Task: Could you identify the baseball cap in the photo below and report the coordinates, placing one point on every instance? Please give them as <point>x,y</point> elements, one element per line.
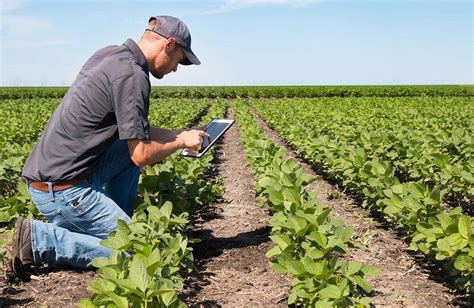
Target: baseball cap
<point>169,26</point>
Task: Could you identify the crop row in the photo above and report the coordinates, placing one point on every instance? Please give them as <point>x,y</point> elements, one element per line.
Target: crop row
<point>309,241</point>
<point>261,91</point>
<point>151,254</point>
<point>426,140</point>
<point>411,205</point>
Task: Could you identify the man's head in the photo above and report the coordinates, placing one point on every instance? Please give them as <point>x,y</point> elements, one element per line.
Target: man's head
<point>166,43</point>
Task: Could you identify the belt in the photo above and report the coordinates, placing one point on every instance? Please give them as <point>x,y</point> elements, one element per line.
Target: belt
<point>57,186</point>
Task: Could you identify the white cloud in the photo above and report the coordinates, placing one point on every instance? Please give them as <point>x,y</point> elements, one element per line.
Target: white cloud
<point>36,44</point>
<point>242,4</point>
<point>234,5</point>
<point>10,5</point>
<point>17,25</point>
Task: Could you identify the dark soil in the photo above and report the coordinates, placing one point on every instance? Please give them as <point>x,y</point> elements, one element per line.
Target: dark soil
<point>232,269</point>
<point>403,281</point>
<point>55,289</point>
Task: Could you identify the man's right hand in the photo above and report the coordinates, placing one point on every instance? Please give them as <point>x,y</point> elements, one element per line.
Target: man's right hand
<point>192,140</point>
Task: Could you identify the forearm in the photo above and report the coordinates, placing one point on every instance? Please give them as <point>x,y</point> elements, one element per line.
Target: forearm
<point>163,135</point>
<point>151,152</point>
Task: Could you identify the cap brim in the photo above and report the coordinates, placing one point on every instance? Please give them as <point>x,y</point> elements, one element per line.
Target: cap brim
<point>190,58</point>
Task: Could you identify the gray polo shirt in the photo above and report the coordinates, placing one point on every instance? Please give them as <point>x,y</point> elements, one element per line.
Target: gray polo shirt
<point>108,100</point>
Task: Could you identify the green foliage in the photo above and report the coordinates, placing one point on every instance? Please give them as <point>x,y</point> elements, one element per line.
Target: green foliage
<point>262,91</point>
<point>402,157</point>
<point>144,267</point>
<point>150,254</point>
<point>308,240</point>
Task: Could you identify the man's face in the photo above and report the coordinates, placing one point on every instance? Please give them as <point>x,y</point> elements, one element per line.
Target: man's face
<point>167,60</point>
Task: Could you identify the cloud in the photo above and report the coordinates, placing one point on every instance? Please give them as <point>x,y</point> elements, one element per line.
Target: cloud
<point>17,25</point>
<point>242,4</point>
<point>234,5</point>
<point>10,5</point>
<point>36,44</point>
<point>26,31</point>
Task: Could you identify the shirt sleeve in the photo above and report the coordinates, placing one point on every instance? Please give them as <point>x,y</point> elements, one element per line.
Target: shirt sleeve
<point>131,100</point>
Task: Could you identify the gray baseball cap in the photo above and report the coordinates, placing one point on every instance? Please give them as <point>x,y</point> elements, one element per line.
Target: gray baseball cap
<point>169,26</point>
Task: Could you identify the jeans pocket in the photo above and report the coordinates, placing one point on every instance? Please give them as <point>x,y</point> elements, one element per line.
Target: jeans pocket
<point>40,197</point>
<point>79,199</point>
<point>49,210</point>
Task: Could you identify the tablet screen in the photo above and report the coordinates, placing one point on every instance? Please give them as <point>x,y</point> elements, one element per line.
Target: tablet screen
<point>215,129</point>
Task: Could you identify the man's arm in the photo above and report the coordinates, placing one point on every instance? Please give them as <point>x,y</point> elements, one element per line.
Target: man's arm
<point>149,152</point>
<point>163,135</point>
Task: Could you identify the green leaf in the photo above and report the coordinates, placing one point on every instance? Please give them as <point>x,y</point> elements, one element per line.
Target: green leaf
<point>364,284</point>
<point>463,263</point>
<point>464,226</point>
<point>298,223</point>
<point>101,286</point>
<point>166,209</point>
<point>118,241</point>
<point>370,270</point>
<point>354,267</point>
<point>100,262</point>
<point>119,301</point>
<point>86,303</point>
<point>330,292</point>
<point>275,251</point>
<point>295,267</point>
<point>282,240</point>
<point>319,238</point>
<point>169,298</point>
<point>138,273</point>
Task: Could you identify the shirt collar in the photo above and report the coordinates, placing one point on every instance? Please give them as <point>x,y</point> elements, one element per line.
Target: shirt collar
<point>137,53</point>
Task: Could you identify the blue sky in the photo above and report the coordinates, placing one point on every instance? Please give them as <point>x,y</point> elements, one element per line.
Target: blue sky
<point>250,42</point>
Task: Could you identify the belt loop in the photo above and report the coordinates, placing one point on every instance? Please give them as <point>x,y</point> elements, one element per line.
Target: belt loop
<point>50,190</point>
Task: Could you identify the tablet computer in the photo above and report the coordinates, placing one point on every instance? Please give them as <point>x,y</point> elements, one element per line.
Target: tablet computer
<point>215,129</point>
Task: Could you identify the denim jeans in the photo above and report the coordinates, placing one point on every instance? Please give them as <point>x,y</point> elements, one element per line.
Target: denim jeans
<point>81,216</point>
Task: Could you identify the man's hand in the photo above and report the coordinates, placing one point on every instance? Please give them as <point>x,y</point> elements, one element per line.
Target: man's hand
<point>192,140</point>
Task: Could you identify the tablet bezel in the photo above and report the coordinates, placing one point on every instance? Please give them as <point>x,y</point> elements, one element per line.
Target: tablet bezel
<point>229,123</point>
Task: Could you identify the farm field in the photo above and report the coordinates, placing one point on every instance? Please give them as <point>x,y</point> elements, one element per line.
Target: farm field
<point>317,196</point>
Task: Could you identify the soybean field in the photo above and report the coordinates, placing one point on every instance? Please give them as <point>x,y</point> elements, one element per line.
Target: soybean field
<point>331,196</point>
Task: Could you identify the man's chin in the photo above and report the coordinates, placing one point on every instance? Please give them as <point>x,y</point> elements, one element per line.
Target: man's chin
<point>158,76</point>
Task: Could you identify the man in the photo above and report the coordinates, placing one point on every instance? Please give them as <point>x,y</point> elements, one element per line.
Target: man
<point>84,171</point>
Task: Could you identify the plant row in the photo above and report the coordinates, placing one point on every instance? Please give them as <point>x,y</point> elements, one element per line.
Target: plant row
<point>427,140</point>
<point>413,206</point>
<point>261,91</point>
<point>309,241</point>
<point>151,255</point>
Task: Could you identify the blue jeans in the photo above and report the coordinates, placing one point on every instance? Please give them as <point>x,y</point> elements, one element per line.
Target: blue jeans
<point>81,216</point>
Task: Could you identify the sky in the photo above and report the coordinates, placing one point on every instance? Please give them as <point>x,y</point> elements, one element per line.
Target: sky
<point>250,42</point>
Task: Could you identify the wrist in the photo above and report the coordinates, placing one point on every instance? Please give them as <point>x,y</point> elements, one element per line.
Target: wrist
<point>179,144</point>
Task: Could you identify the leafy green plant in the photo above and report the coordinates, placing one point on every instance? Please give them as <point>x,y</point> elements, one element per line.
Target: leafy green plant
<point>376,158</point>
<point>309,242</point>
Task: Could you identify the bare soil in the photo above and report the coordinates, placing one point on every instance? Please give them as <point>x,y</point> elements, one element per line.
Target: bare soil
<point>232,269</point>
<point>403,281</point>
<point>55,289</point>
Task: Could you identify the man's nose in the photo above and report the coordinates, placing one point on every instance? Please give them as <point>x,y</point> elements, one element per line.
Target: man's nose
<point>175,68</point>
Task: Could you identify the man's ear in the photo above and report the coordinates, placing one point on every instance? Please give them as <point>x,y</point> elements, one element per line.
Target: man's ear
<point>171,42</point>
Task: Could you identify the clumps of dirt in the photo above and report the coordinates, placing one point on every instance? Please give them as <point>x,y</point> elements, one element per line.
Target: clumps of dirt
<point>402,281</point>
<point>232,269</point>
<point>55,289</point>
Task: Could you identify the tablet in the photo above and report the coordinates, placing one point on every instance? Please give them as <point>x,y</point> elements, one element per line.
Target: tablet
<point>215,129</point>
